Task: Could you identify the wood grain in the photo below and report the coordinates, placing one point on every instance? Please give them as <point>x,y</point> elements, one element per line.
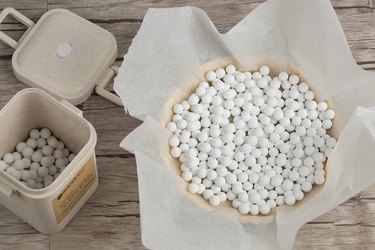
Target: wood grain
<point>110,219</point>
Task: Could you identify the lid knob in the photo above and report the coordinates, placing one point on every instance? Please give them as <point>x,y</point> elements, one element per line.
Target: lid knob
<point>63,50</point>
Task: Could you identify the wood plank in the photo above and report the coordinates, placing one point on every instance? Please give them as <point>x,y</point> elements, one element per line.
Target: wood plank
<point>17,234</point>
<point>110,220</point>
<point>216,7</point>
<point>33,9</point>
<point>328,236</point>
<point>351,3</point>
<point>118,177</point>
<point>360,35</point>
<point>9,84</point>
<point>111,124</point>
<point>6,52</point>
<point>24,5</point>
<point>331,230</point>
<point>30,8</point>
<point>99,232</point>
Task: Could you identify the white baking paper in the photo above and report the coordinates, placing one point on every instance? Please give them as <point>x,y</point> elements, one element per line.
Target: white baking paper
<point>166,61</point>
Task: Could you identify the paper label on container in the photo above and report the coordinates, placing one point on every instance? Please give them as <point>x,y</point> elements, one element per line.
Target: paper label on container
<point>74,191</point>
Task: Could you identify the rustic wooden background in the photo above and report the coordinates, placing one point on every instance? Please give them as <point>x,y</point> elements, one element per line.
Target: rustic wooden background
<point>110,219</point>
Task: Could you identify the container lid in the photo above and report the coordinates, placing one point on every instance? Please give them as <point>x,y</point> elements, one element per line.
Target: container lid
<point>63,54</point>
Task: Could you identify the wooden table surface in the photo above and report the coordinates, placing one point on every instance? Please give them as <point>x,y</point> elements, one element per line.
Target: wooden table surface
<point>110,219</point>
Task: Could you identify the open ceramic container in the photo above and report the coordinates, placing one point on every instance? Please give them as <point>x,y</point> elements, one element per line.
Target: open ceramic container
<point>49,209</point>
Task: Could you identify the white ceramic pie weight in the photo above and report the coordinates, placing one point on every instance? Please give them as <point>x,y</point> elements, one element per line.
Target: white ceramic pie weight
<point>63,57</point>
<point>166,61</point>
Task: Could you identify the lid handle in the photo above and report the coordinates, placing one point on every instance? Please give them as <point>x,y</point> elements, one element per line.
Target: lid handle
<point>100,88</point>
<point>19,17</point>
